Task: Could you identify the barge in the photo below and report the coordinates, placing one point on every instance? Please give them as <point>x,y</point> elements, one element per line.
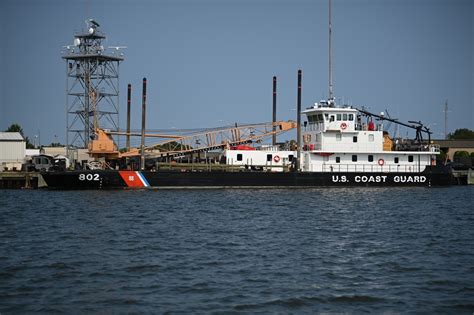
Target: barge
<point>340,146</point>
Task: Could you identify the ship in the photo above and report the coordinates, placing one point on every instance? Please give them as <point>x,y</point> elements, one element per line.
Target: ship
<point>336,145</point>
<point>340,146</point>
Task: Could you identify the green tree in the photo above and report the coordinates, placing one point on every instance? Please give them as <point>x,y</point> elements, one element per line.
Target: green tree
<point>461,134</point>
<point>17,128</point>
<point>462,157</point>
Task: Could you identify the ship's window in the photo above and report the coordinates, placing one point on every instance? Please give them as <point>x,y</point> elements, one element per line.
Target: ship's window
<point>338,159</point>
<point>44,161</point>
<point>344,117</point>
<point>338,117</point>
<point>410,158</point>
<point>239,157</point>
<point>351,117</point>
<point>332,118</point>
<point>338,137</point>
<point>354,158</point>
<point>354,139</point>
<point>327,116</point>
<point>371,138</point>
<point>269,157</point>
<point>290,157</point>
<point>395,160</point>
<point>371,158</point>
<point>310,119</point>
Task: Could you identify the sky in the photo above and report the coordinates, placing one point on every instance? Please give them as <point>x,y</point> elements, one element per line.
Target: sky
<point>210,63</point>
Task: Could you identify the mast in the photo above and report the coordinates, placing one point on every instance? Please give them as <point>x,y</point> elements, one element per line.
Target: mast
<point>331,96</point>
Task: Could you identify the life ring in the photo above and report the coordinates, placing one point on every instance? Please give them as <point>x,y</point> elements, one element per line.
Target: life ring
<point>381,162</point>
<point>276,158</point>
<point>343,126</point>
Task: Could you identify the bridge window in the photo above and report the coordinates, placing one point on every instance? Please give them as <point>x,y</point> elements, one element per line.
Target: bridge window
<point>339,117</point>
<point>410,158</point>
<point>371,158</point>
<point>351,117</point>
<point>354,158</point>
<point>269,157</point>
<point>338,159</point>
<point>332,118</point>
<point>395,160</point>
<point>239,157</point>
<point>344,117</point>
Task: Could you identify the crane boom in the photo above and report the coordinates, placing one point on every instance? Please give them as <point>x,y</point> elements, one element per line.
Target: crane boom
<point>219,138</point>
<point>205,140</point>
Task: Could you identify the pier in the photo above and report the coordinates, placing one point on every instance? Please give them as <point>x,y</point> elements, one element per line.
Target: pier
<point>21,180</point>
<point>463,177</point>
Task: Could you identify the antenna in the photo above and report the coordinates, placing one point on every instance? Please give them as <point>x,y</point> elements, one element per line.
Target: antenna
<point>331,97</point>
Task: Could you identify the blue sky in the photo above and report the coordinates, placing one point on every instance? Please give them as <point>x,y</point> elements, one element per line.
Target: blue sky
<point>210,63</point>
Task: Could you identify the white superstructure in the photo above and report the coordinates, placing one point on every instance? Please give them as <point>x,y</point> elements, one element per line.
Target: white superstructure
<point>340,139</point>
<point>264,158</point>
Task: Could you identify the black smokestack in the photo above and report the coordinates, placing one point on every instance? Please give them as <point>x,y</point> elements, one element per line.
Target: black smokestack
<point>298,120</point>
<point>274,137</point>
<point>129,102</point>
<point>142,147</point>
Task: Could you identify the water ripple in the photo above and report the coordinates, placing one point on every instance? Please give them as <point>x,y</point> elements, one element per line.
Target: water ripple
<point>310,251</point>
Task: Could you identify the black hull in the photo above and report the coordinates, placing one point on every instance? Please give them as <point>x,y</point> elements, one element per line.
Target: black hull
<point>109,179</point>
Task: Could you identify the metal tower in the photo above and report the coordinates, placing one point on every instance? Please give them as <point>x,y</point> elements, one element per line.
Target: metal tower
<point>92,86</point>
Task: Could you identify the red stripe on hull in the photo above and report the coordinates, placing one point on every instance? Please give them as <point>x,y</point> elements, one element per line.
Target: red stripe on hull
<point>131,179</point>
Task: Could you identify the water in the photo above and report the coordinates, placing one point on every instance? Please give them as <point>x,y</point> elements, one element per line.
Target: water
<point>397,250</point>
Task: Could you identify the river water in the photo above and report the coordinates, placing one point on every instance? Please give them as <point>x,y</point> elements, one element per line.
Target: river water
<point>394,250</point>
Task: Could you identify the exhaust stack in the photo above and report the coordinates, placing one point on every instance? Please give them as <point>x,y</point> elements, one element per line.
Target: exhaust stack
<point>142,146</point>
<point>274,137</point>
<point>129,96</point>
<point>298,122</point>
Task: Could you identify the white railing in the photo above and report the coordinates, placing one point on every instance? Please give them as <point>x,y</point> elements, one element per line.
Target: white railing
<point>371,168</point>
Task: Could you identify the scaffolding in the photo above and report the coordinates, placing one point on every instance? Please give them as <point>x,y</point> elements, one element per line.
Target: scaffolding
<point>92,86</point>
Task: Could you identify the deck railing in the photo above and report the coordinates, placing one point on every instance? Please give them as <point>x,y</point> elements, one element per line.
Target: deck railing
<point>415,168</point>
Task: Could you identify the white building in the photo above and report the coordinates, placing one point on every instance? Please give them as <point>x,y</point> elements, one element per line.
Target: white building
<point>12,150</point>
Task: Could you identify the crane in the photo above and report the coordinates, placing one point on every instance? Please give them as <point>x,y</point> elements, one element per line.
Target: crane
<point>201,141</point>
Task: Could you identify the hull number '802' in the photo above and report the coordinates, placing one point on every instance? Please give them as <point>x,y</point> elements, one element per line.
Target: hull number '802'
<point>90,177</point>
